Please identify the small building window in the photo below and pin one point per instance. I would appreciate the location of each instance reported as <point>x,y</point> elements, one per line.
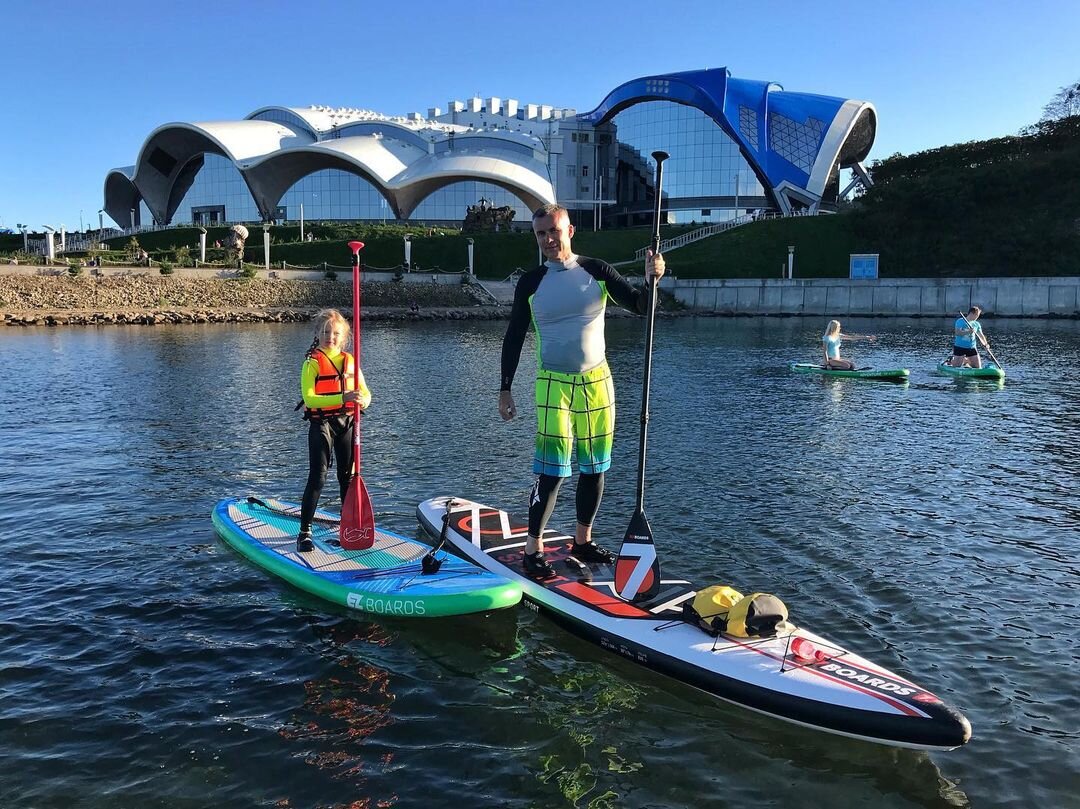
<point>571,171</point>
<point>584,171</point>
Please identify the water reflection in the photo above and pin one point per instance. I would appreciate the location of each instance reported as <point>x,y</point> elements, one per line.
<point>932,527</point>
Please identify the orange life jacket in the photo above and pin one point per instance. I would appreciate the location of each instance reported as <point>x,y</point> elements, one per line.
<point>329,381</point>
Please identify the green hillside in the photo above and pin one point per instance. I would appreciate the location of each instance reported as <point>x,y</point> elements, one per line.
<point>760,250</point>
<point>1007,206</point>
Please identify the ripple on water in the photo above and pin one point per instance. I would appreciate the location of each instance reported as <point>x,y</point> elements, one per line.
<point>929,526</point>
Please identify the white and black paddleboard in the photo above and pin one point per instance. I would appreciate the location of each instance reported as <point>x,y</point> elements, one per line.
<point>825,686</point>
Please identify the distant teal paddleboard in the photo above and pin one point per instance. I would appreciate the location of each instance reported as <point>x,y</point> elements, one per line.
<point>386,579</point>
<point>990,371</point>
<point>891,375</point>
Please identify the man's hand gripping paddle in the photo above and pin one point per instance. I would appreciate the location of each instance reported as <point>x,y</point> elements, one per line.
<point>637,569</point>
<point>357,530</point>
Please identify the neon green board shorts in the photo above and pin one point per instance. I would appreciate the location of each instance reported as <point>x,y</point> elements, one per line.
<point>574,411</point>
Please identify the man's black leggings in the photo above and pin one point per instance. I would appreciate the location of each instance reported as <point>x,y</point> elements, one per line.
<point>590,490</point>
<point>331,434</point>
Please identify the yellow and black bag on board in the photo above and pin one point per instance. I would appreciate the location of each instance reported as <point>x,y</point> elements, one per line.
<point>722,609</point>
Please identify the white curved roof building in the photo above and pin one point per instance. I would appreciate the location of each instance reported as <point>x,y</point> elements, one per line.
<point>404,159</point>
<point>735,145</point>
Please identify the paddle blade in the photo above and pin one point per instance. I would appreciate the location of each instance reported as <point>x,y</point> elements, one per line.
<point>637,569</point>
<point>357,531</point>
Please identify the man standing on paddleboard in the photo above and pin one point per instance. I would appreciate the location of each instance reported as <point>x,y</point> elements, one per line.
<point>565,297</point>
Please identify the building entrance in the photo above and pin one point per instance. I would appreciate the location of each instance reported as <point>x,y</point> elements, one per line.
<point>208,215</point>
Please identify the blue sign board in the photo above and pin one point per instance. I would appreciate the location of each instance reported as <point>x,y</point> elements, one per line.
<point>864,265</point>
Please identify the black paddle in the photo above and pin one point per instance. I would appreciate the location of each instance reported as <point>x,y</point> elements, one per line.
<point>429,564</point>
<point>637,569</point>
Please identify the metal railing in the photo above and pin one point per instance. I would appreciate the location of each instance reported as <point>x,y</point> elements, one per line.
<point>667,245</point>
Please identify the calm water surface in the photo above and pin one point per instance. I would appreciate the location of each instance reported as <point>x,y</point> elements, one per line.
<point>930,526</point>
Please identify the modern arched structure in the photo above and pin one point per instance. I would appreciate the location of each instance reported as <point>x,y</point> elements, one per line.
<point>405,160</point>
<point>736,144</point>
<point>794,142</point>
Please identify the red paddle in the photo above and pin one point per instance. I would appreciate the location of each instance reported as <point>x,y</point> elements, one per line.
<point>357,531</point>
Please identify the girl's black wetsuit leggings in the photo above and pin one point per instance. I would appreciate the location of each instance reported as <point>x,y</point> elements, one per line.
<point>334,434</point>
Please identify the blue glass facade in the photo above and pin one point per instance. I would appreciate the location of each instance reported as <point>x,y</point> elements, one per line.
<point>329,194</point>
<point>701,173</point>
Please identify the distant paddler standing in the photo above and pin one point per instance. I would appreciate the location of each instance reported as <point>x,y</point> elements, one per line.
<point>967,330</point>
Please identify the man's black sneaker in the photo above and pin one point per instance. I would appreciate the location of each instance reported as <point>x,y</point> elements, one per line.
<point>537,566</point>
<point>593,554</point>
<point>304,543</point>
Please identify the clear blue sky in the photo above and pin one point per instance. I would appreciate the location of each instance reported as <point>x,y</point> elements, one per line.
<point>86,82</point>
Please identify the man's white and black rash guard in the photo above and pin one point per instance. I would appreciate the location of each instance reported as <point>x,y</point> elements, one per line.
<point>566,303</point>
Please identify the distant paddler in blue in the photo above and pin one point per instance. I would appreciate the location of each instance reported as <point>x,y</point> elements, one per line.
<point>830,343</point>
<point>967,330</point>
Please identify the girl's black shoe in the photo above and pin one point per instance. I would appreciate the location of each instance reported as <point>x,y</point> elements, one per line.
<point>304,543</point>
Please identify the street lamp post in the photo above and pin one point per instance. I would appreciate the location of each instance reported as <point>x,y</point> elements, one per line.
<point>132,220</point>
<point>301,221</point>
<point>101,227</point>
<point>50,242</point>
<point>736,197</point>
<point>471,271</point>
<point>408,254</point>
<point>266,245</point>
<point>600,201</point>
<point>25,239</point>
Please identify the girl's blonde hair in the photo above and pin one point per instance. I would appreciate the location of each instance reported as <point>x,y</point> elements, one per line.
<point>833,328</point>
<point>325,322</point>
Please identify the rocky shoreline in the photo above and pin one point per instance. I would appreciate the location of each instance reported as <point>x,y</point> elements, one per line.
<point>152,317</point>
<point>159,300</point>
<point>149,300</point>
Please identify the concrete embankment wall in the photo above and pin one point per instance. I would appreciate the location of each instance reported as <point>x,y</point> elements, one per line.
<point>900,297</point>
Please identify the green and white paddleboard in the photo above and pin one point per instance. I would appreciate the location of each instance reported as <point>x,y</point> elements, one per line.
<point>989,371</point>
<point>890,375</point>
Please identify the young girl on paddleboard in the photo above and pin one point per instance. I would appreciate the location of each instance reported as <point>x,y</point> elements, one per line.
<point>830,342</point>
<point>330,402</point>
